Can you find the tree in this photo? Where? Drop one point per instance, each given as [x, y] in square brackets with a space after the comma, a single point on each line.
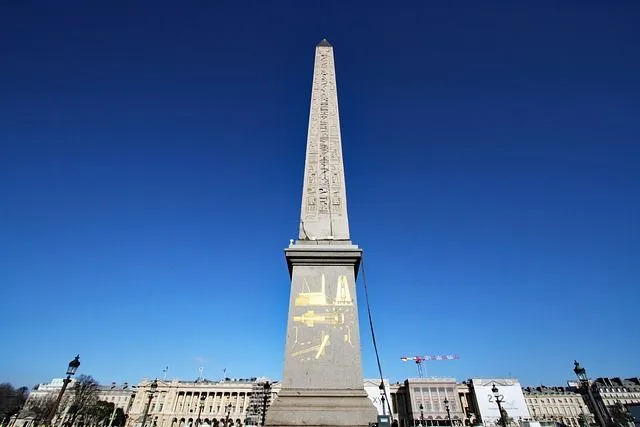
[583, 420]
[40, 407]
[100, 413]
[83, 398]
[11, 401]
[119, 419]
[619, 415]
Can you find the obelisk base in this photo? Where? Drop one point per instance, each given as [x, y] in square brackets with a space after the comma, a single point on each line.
[316, 408]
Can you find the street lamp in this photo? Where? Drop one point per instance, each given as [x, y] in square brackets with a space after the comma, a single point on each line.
[499, 399]
[446, 406]
[421, 415]
[71, 370]
[267, 388]
[228, 411]
[152, 390]
[202, 398]
[581, 373]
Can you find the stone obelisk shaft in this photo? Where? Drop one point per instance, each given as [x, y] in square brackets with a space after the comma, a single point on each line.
[324, 201]
[322, 382]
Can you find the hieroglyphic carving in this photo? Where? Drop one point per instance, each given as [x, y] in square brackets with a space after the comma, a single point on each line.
[324, 194]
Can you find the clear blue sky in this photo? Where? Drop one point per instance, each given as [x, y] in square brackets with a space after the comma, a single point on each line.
[151, 173]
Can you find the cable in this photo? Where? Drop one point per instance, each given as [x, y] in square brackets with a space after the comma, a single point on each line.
[373, 336]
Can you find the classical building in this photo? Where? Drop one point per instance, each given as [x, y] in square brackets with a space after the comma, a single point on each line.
[176, 403]
[198, 403]
[421, 401]
[121, 395]
[609, 391]
[560, 405]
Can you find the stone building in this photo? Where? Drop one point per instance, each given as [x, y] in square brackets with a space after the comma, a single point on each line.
[556, 404]
[608, 391]
[421, 401]
[200, 403]
[120, 395]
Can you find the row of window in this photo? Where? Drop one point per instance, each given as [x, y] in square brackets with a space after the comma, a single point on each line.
[567, 410]
[556, 400]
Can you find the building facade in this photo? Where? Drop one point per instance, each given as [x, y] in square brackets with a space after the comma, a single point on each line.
[511, 400]
[556, 404]
[607, 392]
[424, 401]
[196, 403]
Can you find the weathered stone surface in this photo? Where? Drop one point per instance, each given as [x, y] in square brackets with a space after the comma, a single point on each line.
[324, 201]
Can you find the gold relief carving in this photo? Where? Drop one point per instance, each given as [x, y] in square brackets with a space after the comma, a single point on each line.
[343, 296]
[310, 318]
[347, 336]
[318, 349]
[327, 320]
[311, 298]
[319, 298]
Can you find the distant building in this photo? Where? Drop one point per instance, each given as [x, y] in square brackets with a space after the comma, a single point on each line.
[375, 394]
[608, 391]
[560, 405]
[120, 395]
[421, 401]
[200, 403]
[485, 406]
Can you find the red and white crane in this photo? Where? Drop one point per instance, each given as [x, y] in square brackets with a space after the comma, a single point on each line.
[420, 359]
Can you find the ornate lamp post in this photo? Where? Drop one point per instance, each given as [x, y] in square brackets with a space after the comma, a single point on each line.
[228, 411]
[583, 380]
[446, 406]
[202, 398]
[267, 389]
[499, 399]
[421, 415]
[71, 370]
[152, 390]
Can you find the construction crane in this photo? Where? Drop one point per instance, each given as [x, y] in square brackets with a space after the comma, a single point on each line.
[420, 359]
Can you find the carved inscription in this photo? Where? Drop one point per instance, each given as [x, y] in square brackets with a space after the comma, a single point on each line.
[324, 191]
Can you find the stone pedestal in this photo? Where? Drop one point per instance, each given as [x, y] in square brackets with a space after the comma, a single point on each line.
[295, 407]
[322, 384]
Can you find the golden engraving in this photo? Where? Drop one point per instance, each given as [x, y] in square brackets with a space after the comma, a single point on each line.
[319, 349]
[310, 318]
[325, 341]
[347, 336]
[343, 296]
[311, 298]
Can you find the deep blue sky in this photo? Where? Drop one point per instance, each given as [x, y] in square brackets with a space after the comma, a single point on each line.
[151, 174]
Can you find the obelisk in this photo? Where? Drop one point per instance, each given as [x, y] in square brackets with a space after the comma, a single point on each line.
[322, 382]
